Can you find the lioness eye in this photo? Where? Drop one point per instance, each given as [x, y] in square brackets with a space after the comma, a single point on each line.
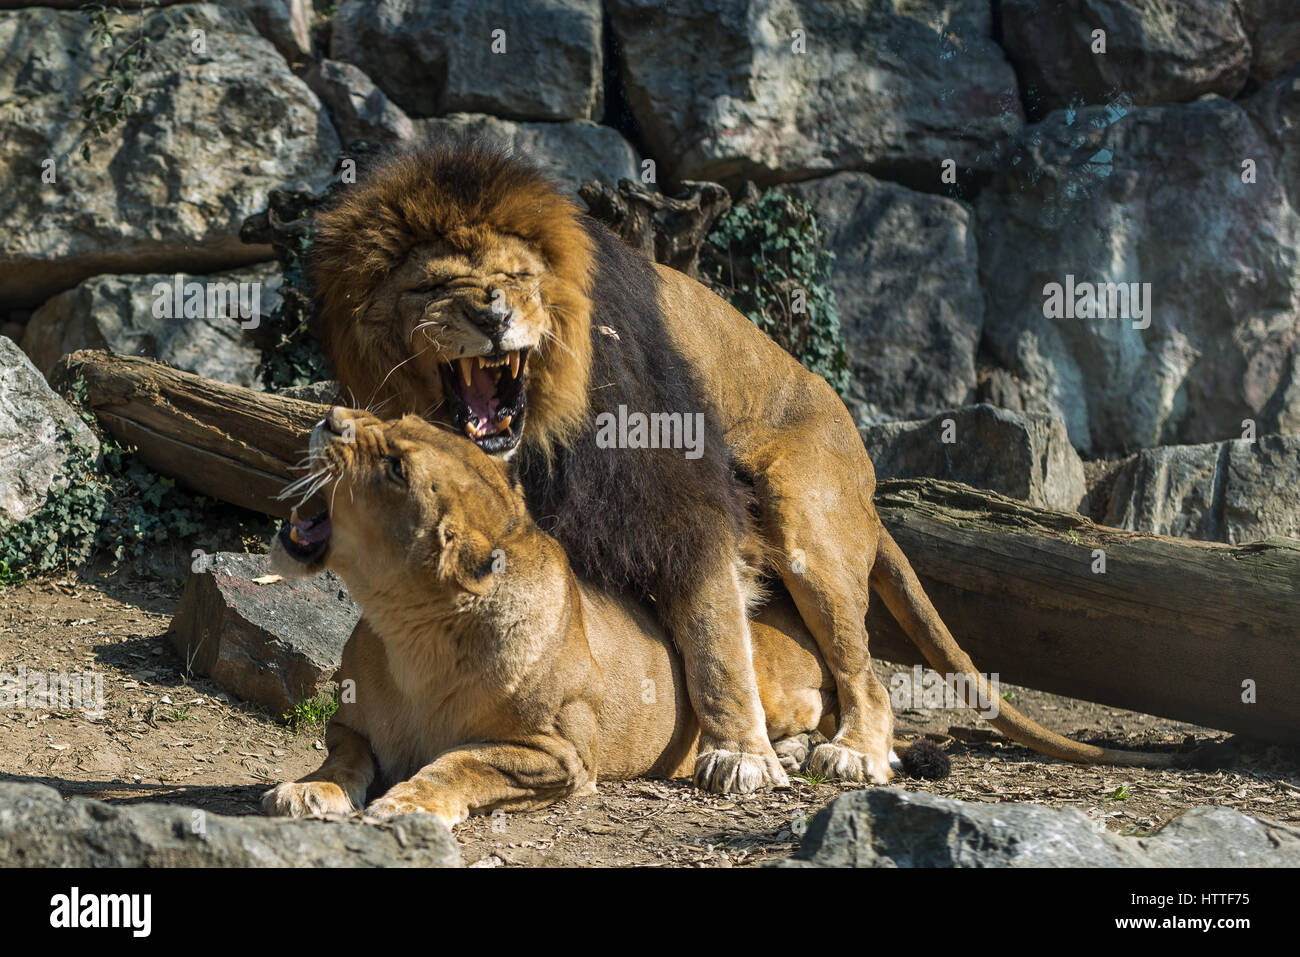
[394, 467]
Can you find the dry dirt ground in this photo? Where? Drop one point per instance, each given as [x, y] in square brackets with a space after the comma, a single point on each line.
[165, 736]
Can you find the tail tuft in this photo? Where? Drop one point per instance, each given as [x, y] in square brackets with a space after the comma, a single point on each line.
[925, 759]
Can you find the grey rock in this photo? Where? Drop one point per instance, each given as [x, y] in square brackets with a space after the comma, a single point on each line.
[39, 433]
[1170, 490]
[1219, 837]
[436, 56]
[1148, 195]
[1261, 489]
[273, 644]
[39, 829]
[1023, 455]
[1276, 112]
[326, 392]
[1155, 52]
[360, 110]
[889, 827]
[720, 93]
[1274, 29]
[286, 23]
[571, 153]
[118, 313]
[1236, 491]
[168, 188]
[906, 277]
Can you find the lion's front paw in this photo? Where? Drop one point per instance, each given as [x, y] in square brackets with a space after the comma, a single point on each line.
[306, 799]
[738, 772]
[830, 760]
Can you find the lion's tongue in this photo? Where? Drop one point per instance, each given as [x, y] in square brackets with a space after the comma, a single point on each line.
[481, 395]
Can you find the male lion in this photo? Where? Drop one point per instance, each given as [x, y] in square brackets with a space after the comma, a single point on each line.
[461, 285]
[486, 674]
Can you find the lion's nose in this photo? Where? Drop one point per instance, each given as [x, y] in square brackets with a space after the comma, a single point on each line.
[494, 322]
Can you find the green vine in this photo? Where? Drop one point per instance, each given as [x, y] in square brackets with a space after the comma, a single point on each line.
[116, 506]
[768, 258]
[115, 95]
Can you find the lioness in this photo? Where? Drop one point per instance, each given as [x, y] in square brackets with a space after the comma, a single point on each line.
[486, 673]
[459, 284]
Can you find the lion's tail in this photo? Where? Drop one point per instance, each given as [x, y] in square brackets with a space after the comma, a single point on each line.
[894, 580]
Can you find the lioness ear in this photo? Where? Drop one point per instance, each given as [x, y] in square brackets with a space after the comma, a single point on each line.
[466, 557]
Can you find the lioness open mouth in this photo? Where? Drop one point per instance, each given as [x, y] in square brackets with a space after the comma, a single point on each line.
[308, 540]
[486, 398]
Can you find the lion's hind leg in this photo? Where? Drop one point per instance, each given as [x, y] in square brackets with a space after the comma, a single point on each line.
[831, 589]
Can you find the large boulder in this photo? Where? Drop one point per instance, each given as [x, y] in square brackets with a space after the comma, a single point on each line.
[1023, 455]
[1154, 52]
[890, 827]
[286, 23]
[906, 278]
[572, 153]
[1274, 29]
[272, 641]
[1152, 198]
[731, 89]
[1169, 490]
[360, 110]
[39, 829]
[167, 188]
[1276, 112]
[1236, 491]
[39, 434]
[437, 56]
[136, 316]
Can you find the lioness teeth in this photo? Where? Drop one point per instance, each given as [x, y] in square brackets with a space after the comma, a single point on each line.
[466, 370]
[504, 423]
[294, 536]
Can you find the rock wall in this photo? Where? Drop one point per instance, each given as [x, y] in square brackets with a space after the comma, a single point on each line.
[1092, 215]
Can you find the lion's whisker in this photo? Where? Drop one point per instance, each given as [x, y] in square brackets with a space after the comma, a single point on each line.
[391, 371]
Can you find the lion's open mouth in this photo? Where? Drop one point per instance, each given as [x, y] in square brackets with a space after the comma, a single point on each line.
[486, 398]
[306, 540]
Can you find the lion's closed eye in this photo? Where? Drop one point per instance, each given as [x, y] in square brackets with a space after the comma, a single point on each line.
[395, 471]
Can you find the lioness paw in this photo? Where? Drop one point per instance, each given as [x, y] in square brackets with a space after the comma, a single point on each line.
[386, 808]
[306, 799]
[737, 772]
[830, 760]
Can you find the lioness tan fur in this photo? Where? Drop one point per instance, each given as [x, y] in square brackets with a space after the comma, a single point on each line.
[484, 674]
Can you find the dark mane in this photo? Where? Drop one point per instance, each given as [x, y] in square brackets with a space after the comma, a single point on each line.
[635, 517]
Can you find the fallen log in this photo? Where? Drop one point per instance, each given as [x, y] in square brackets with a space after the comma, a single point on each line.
[1194, 631]
[225, 441]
